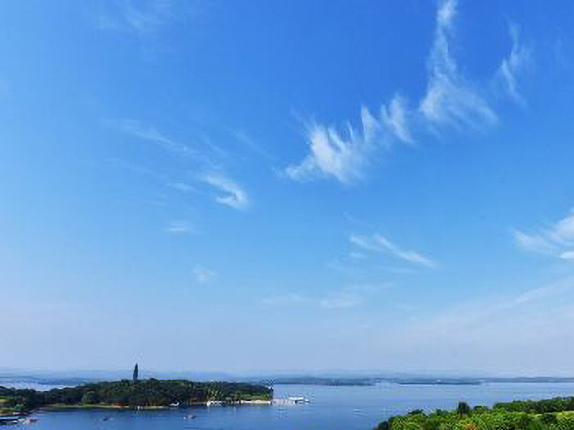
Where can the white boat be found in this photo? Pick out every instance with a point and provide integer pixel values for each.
(298, 399)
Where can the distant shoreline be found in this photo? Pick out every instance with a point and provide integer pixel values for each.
(209, 403)
(440, 383)
(370, 381)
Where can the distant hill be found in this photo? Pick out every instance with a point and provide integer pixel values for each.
(76, 377)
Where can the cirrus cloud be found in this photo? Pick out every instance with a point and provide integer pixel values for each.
(380, 244)
(451, 101)
(556, 240)
(230, 193)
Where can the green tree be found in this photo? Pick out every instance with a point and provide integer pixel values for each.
(463, 409)
(90, 398)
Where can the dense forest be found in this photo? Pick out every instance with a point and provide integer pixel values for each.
(125, 393)
(551, 414)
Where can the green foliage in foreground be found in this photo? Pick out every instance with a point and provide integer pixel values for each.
(551, 414)
(146, 393)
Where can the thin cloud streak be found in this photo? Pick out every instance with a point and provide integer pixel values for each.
(396, 118)
(247, 141)
(203, 275)
(182, 186)
(556, 240)
(499, 321)
(342, 300)
(345, 298)
(380, 244)
(515, 65)
(150, 133)
(144, 17)
(231, 193)
(179, 228)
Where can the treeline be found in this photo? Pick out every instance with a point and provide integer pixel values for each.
(558, 404)
(551, 414)
(310, 380)
(145, 393)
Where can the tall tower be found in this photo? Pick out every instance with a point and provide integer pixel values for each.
(136, 373)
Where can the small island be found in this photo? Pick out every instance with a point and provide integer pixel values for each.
(135, 394)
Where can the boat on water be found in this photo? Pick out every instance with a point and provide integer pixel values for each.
(16, 419)
(298, 399)
(4, 421)
(291, 400)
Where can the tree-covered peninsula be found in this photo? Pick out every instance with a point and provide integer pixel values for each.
(551, 414)
(149, 393)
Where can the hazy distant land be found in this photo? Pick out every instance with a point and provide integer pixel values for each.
(367, 381)
(23, 379)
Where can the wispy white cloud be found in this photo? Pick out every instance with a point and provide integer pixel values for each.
(534, 294)
(532, 315)
(231, 193)
(515, 65)
(396, 118)
(203, 275)
(532, 242)
(142, 17)
(342, 300)
(347, 156)
(246, 140)
(380, 244)
(345, 298)
(180, 228)
(556, 240)
(343, 157)
(352, 296)
(355, 255)
(346, 266)
(182, 186)
(150, 133)
(449, 99)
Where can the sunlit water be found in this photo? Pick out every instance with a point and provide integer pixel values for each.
(331, 408)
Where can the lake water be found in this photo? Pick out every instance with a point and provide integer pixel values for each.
(331, 408)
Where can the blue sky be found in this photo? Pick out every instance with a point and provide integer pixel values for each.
(259, 186)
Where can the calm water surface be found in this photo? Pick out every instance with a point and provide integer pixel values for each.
(331, 408)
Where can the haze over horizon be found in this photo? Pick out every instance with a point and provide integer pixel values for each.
(249, 186)
(39, 374)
